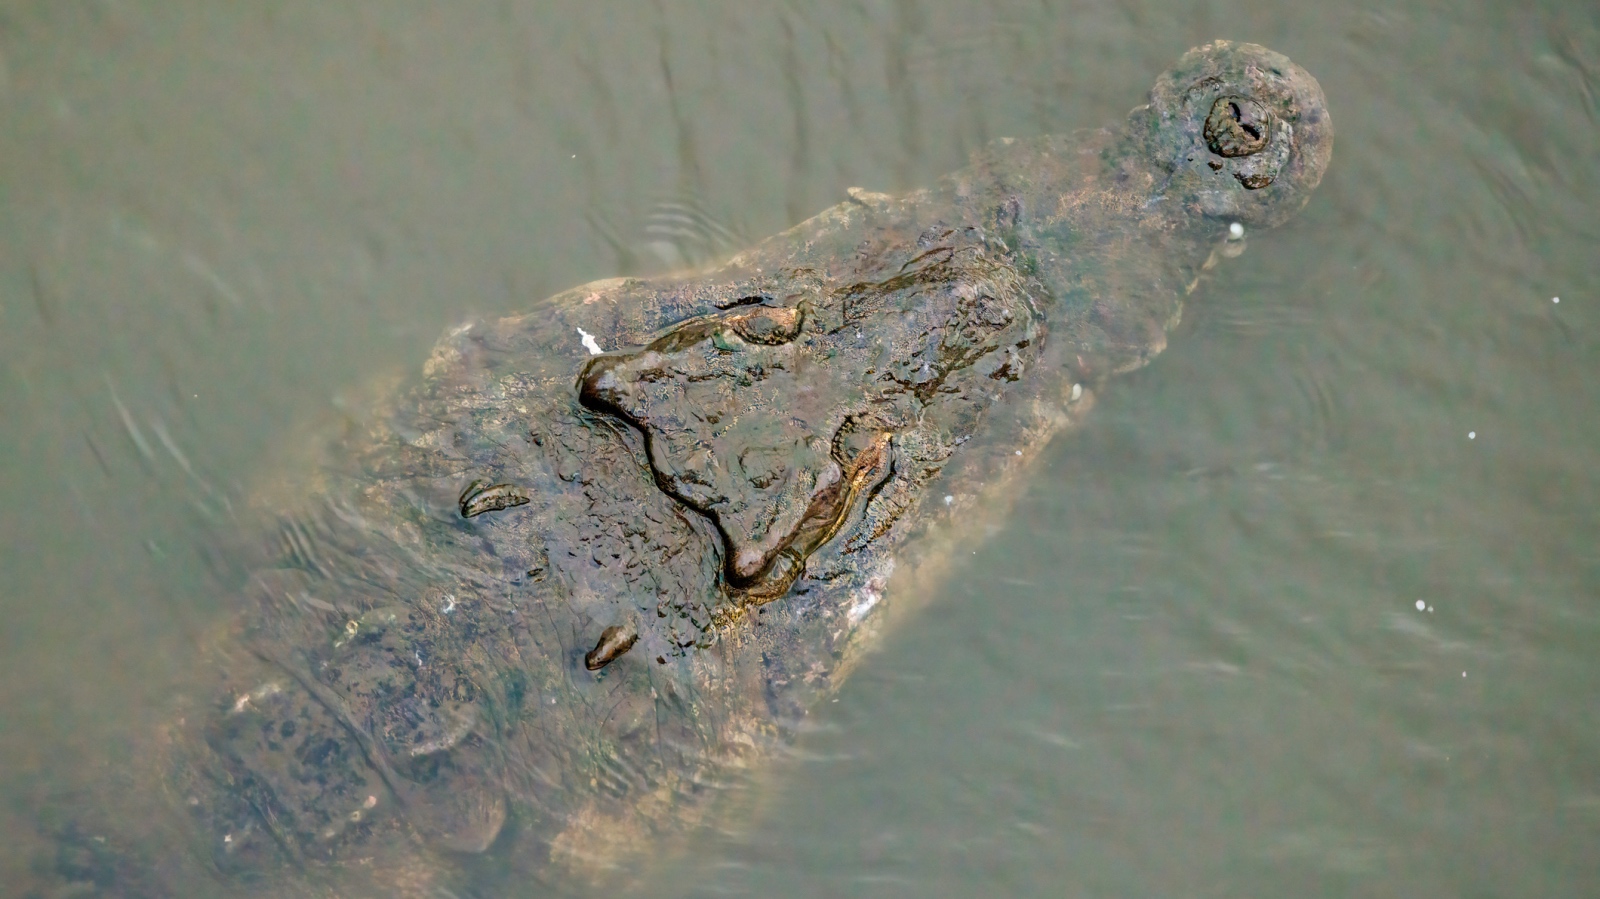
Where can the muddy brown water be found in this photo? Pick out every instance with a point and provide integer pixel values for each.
(1309, 607)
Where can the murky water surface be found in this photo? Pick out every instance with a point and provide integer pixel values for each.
(1309, 607)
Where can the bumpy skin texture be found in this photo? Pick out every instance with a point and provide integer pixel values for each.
(534, 614)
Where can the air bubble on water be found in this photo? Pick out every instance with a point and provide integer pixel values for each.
(1472, 435)
(1421, 605)
(1555, 299)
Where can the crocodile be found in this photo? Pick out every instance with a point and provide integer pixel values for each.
(529, 618)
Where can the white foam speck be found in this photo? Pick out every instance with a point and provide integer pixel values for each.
(1472, 435)
(949, 499)
(1236, 230)
(1421, 605)
(589, 343)
(863, 605)
(1555, 299)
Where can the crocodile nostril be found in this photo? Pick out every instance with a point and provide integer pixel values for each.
(1237, 126)
(1248, 127)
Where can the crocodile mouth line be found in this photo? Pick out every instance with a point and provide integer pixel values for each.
(776, 479)
(825, 518)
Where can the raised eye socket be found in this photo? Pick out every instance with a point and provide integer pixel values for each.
(1238, 126)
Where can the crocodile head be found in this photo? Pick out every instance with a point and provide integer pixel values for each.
(1242, 133)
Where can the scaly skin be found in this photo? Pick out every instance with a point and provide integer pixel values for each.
(532, 615)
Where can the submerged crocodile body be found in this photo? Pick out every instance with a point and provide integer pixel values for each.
(530, 617)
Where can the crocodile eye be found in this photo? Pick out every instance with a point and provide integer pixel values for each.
(1237, 126)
